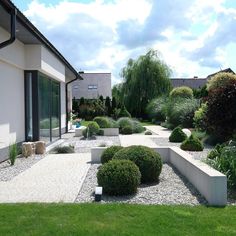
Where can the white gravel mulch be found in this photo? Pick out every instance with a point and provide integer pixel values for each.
(171, 189)
(196, 155)
(8, 172)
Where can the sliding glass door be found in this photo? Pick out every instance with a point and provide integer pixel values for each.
(42, 107)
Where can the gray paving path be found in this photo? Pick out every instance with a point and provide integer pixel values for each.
(56, 178)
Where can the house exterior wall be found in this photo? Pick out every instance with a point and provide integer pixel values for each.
(14, 60)
(101, 80)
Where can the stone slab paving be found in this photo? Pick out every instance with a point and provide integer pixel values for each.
(160, 131)
(55, 178)
(137, 139)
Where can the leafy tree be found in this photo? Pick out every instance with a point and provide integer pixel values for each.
(113, 104)
(118, 94)
(75, 105)
(82, 101)
(101, 98)
(144, 79)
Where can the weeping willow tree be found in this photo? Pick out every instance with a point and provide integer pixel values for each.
(144, 79)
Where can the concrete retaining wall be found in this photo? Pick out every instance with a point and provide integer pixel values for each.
(111, 131)
(209, 182)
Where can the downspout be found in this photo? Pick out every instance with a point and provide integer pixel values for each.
(13, 30)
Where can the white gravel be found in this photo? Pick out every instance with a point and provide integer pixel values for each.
(171, 189)
(196, 155)
(8, 172)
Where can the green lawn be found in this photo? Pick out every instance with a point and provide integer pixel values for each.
(146, 123)
(115, 219)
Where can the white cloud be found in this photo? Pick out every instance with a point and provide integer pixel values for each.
(103, 35)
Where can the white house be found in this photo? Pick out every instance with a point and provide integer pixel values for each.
(35, 83)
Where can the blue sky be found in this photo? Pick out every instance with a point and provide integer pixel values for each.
(195, 38)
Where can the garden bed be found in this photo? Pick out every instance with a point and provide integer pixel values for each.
(172, 188)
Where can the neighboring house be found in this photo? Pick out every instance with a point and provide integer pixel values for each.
(92, 86)
(196, 82)
(35, 92)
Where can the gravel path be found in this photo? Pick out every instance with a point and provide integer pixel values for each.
(8, 172)
(196, 155)
(172, 189)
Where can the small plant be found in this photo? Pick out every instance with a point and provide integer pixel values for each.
(177, 135)
(127, 130)
(119, 177)
(148, 132)
(100, 132)
(123, 112)
(13, 153)
(92, 129)
(64, 149)
(103, 122)
(108, 154)
(226, 163)
(192, 144)
(216, 152)
(102, 145)
(148, 161)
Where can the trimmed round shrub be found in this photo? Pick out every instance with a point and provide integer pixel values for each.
(119, 177)
(103, 122)
(192, 144)
(181, 92)
(127, 130)
(148, 161)
(148, 132)
(220, 80)
(177, 135)
(108, 154)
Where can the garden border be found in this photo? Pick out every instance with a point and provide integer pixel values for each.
(209, 182)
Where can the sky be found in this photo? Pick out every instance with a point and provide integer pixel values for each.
(194, 38)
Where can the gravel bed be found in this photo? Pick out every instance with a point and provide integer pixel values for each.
(196, 155)
(8, 172)
(82, 145)
(171, 189)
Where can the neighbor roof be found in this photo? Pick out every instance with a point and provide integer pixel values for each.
(228, 70)
(28, 33)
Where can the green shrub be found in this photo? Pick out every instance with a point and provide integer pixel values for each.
(181, 112)
(64, 149)
(100, 132)
(103, 122)
(226, 163)
(123, 112)
(156, 109)
(119, 177)
(199, 117)
(137, 127)
(220, 80)
(148, 132)
(148, 161)
(220, 116)
(192, 144)
(216, 152)
(93, 128)
(127, 130)
(177, 135)
(13, 153)
(181, 92)
(113, 123)
(108, 154)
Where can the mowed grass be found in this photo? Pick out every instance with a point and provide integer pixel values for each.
(115, 219)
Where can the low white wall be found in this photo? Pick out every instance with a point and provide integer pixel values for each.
(209, 182)
(111, 131)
